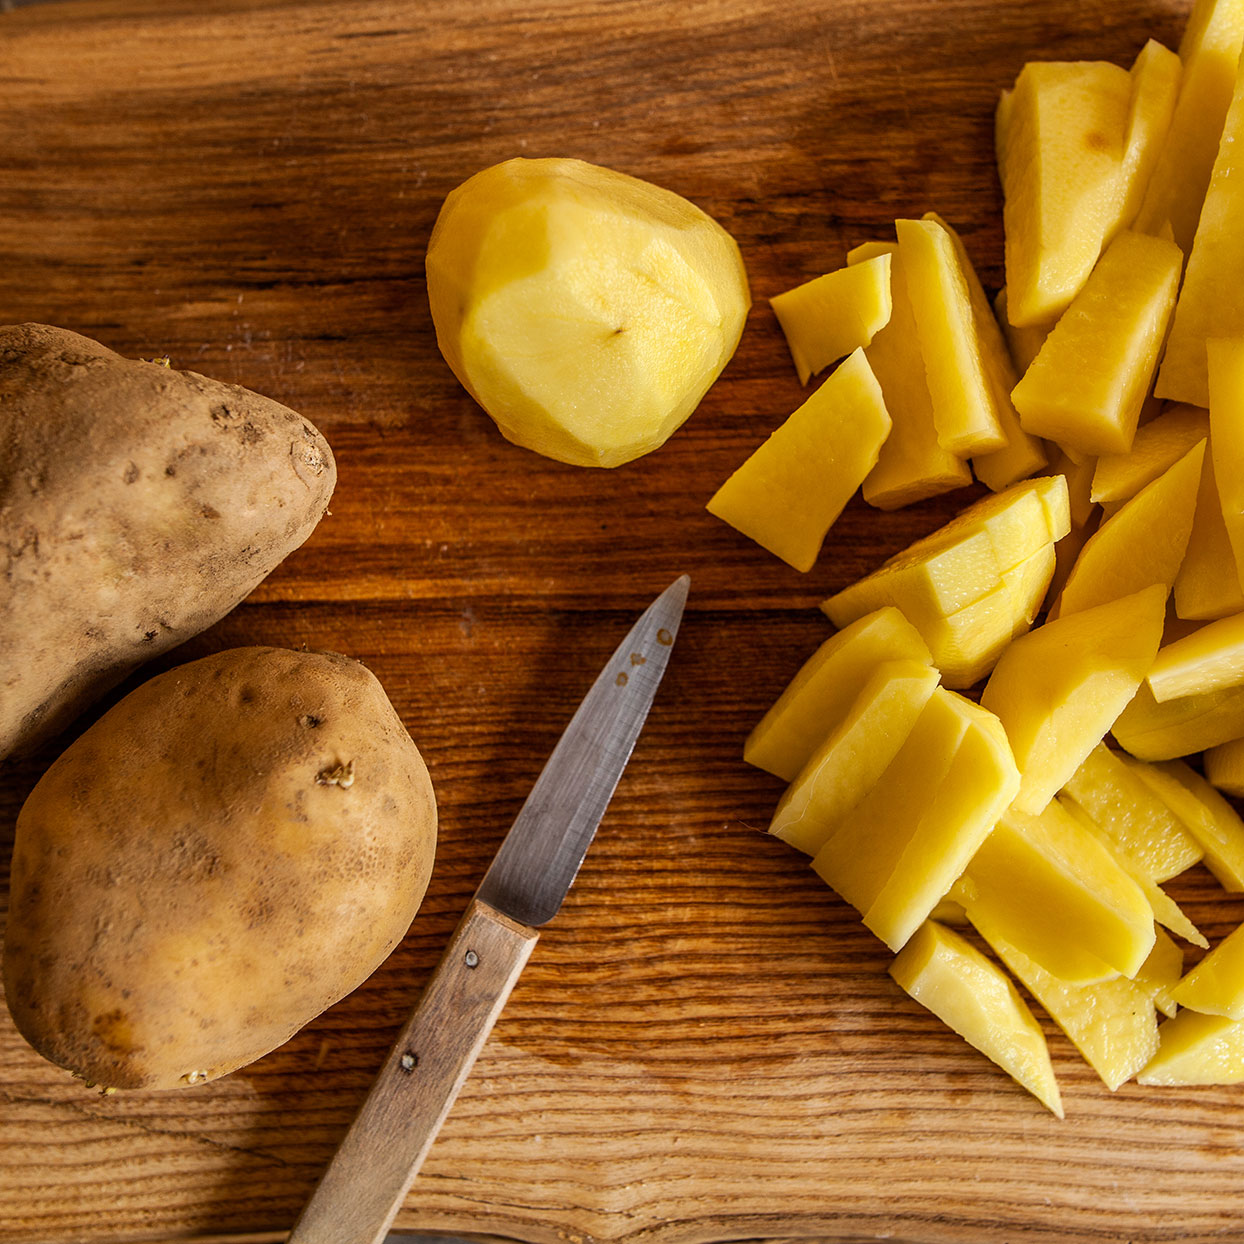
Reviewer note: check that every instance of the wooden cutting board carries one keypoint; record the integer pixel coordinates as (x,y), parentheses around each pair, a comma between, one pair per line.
(706,1045)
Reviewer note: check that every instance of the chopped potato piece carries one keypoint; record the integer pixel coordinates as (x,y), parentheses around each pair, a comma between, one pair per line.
(1156,447)
(911,464)
(854,755)
(964,406)
(1179,727)
(830,317)
(1086,387)
(1058,689)
(1197,1049)
(1161,973)
(1049,887)
(1113,1023)
(787,495)
(821,694)
(1209,51)
(1208,817)
(1024,341)
(1142,544)
(1132,815)
(1061,164)
(1210,659)
(1216,985)
(1208,584)
(947,974)
(1224,767)
(1226,420)
(1211,302)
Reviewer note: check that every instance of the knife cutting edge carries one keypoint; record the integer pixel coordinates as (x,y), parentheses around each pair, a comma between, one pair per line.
(366,1182)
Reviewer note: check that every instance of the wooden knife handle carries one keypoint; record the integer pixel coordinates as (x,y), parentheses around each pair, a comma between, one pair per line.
(362,1190)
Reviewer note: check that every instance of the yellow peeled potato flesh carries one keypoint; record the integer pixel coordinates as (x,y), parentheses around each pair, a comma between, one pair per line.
(1142,544)
(818,698)
(1216,985)
(1226,421)
(1182,726)
(1022,455)
(853,757)
(947,975)
(1047,886)
(1134,819)
(1112,1023)
(964,407)
(1206,815)
(1165,910)
(1059,688)
(1197,1049)
(911,465)
(1156,447)
(1061,164)
(949,829)
(789,492)
(1086,387)
(1210,659)
(1209,52)
(1156,74)
(1208,584)
(1211,302)
(1224,767)
(832,316)
(1161,972)
(1024,341)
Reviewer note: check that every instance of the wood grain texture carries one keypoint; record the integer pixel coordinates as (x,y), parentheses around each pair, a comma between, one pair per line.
(705,1045)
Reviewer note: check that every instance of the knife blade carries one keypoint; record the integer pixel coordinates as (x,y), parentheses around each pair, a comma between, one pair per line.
(363,1187)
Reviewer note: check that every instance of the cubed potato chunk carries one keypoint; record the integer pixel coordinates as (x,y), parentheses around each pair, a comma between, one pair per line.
(1142,544)
(947,975)
(911,464)
(1086,387)
(1048,887)
(1060,163)
(964,407)
(787,495)
(830,317)
(1058,689)
(821,694)
(851,760)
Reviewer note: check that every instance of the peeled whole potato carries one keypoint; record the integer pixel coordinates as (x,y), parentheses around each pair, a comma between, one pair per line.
(228,851)
(587,312)
(138,505)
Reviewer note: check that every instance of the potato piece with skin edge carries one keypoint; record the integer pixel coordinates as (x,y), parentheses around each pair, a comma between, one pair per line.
(823,690)
(587,311)
(834,315)
(1052,890)
(947,975)
(1142,544)
(964,409)
(853,757)
(1156,447)
(1058,689)
(195,491)
(911,465)
(790,491)
(282,838)
(1086,387)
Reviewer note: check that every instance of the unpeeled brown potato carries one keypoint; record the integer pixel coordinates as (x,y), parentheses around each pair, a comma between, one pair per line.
(138,505)
(229,850)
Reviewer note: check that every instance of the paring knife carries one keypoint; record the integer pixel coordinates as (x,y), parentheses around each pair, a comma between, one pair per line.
(364,1186)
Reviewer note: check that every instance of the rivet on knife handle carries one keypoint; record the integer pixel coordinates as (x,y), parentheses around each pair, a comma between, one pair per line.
(364,1186)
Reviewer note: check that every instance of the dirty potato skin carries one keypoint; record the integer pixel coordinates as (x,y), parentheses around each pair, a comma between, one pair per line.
(138,505)
(233,847)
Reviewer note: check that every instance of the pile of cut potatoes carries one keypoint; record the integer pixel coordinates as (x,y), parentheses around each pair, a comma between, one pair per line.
(1100,399)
